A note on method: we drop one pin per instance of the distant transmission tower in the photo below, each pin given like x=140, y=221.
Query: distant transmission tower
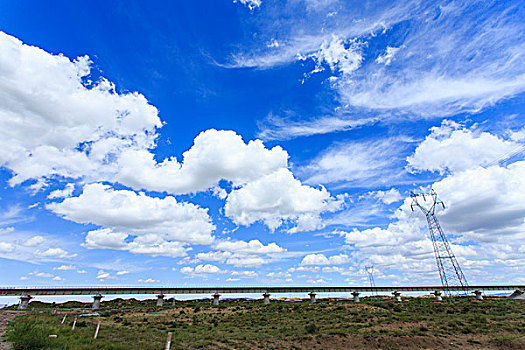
x=449, y=270
x=370, y=272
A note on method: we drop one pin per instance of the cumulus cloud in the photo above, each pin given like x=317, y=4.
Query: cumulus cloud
x=321, y=259
x=6, y=247
x=242, y=254
x=248, y=274
x=201, y=269
x=148, y=280
x=162, y=226
x=484, y=212
x=251, y=247
x=289, y=200
x=65, y=267
x=56, y=122
x=66, y=192
x=34, y=241
x=215, y=155
x=279, y=274
x=468, y=147
x=57, y=253
x=388, y=197
x=102, y=275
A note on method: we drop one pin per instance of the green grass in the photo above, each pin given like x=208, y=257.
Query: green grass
x=493, y=323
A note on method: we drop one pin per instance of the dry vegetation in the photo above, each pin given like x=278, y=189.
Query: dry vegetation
x=495, y=323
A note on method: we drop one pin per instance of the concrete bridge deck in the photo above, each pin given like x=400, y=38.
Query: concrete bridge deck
x=114, y=290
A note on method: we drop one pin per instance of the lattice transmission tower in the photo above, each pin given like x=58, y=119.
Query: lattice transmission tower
x=370, y=273
x=448, y=266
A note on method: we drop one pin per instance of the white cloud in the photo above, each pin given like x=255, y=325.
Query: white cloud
x=251, y=247
x=288, y=200
x=242, y=254
x=485, y=204
x=34, y=241
x=468, y=147
x=57, y=253
x=6, y=230
x=387, y=197
x=215, y=155
x=41, y=274
x=120, y=273
x=388, y=56
x=201, y=269
x=280, y=274
x=58, y=278
x=484, y=212
x=232, y=279
x=54, y=124
x=66, y=192
x=318, y=281
x=102, y=275
x=24, y=278
x=321, y=259
x=340, y=55
x=359, y=164
x=247, y=261
x=149, y=280
x=279, y=128
x=65, y=267
x=248, y=274
x=438, y=59
x=162, y=225
x=214, y=256
x=6, y=247
x=251, y=4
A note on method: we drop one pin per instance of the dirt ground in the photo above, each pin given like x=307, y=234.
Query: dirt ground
x=5, y=317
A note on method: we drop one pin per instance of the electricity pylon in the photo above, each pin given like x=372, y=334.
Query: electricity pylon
x=370, y=272
x=448, y=266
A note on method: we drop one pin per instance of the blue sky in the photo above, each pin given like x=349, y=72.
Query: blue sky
x=257, y=142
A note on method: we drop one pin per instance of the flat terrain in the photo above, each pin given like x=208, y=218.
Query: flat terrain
x=457, y=323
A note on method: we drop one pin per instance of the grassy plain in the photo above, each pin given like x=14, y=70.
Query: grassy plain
x=461, y=323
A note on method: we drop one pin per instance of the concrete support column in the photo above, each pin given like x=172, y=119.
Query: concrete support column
x=174, y=301
x=437, y=294
x=160, y=300
x=266, y=297
x=397, y=296
x=518, y=294
x=356, y=297
x=216, y=298
x=478, y=294
x=312, y=297
x=24, y=301
x=96, y=301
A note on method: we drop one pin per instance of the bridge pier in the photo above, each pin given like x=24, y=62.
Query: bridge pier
x=437, y=295
x=24, y=302
x=96, y=301
x=160, y=300
x=478, y=294
x=216, y=298
x=356, y=297
x=312, y=297
x=266, y=297
x=517, y=295
x=397, y=296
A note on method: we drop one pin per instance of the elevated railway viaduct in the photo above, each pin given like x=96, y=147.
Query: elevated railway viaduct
x=27, y=293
